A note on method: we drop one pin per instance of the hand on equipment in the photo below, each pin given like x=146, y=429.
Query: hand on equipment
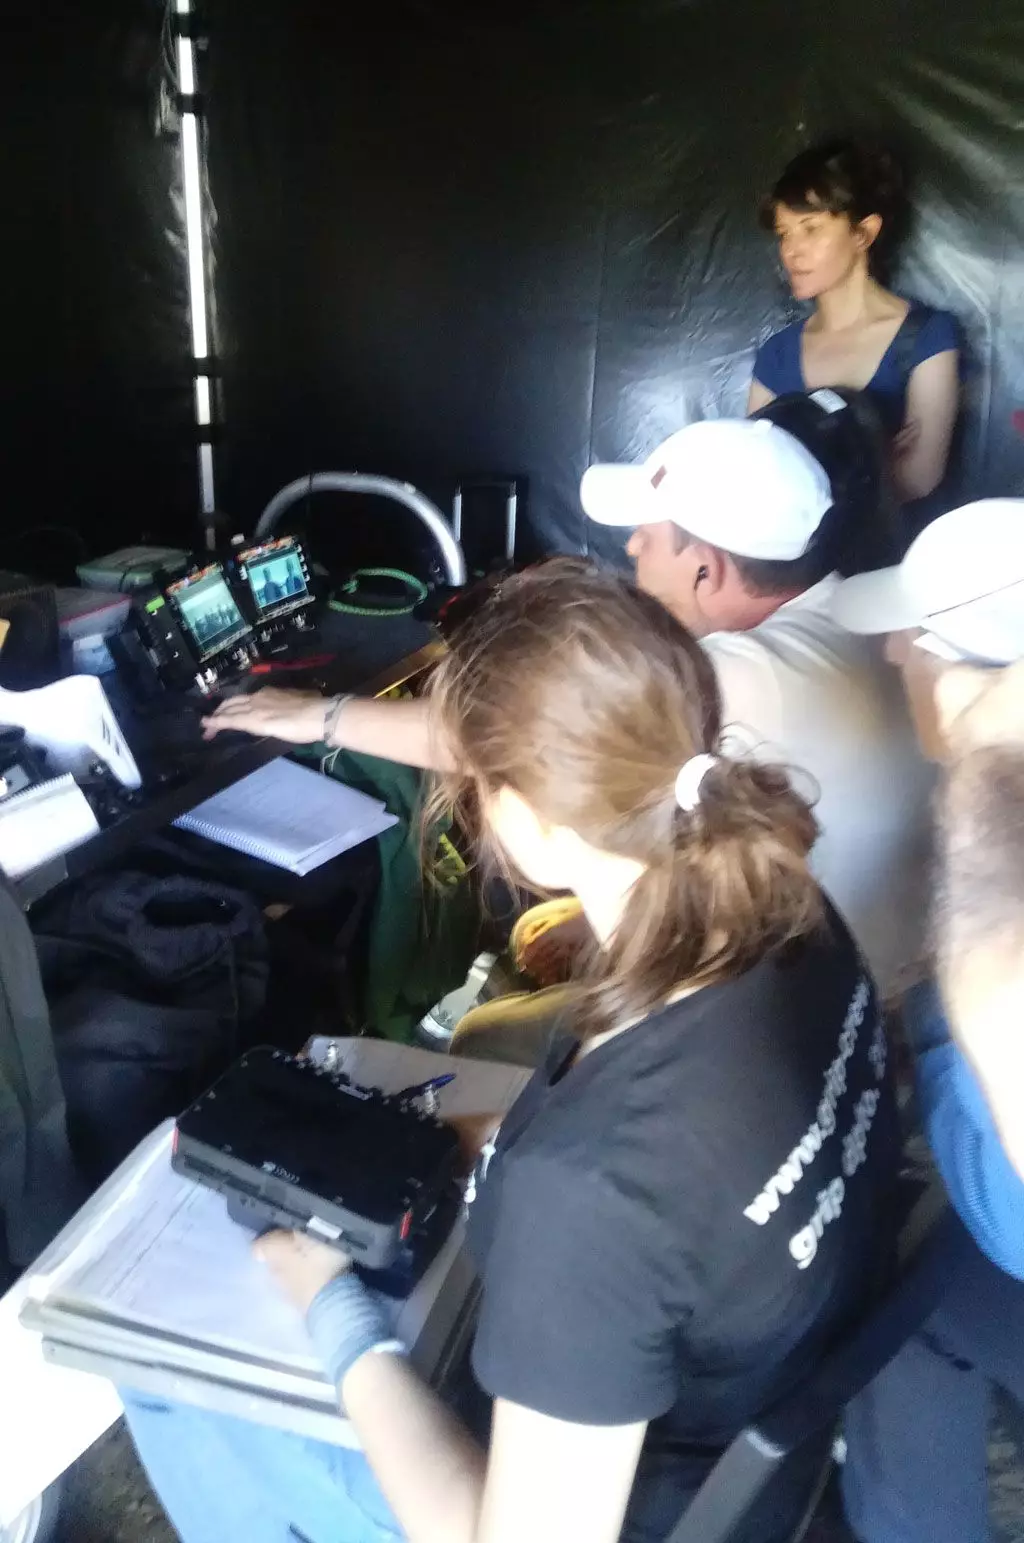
x=294, y=716
x=344, y=1319
x=301, y=1266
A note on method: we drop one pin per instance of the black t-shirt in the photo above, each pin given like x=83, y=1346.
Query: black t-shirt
x=671, y=1228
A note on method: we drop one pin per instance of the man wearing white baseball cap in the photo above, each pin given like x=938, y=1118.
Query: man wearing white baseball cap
x=954, y=612
x=739, y=525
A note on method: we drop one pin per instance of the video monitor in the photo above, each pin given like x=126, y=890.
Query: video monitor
x=207, y=612
x=277, y=577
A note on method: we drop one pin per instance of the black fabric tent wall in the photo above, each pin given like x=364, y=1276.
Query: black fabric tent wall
x=96, y=394
x=460, y=239
x=454, y=238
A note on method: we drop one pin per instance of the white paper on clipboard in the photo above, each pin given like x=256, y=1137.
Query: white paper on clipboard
x=151, y=1268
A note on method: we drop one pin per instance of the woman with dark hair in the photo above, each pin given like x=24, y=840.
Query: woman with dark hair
x=837, y=211
x=689, y=1201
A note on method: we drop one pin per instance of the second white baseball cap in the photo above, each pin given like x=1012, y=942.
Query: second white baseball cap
x=962, y=581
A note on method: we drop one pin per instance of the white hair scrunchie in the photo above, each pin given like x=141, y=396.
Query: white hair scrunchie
x=691, y=775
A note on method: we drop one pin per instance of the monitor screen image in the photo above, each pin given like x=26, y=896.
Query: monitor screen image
x=208, y=611
x=277, y=579
x=276, y=575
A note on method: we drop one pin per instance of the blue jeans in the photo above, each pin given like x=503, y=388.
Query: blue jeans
x=225, y=1480
x=917, y=1437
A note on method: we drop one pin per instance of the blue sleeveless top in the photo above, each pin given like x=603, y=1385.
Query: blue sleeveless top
x=779, y=369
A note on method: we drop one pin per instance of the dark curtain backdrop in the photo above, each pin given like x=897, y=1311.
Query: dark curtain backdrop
x=456, y=239
x=95, y=400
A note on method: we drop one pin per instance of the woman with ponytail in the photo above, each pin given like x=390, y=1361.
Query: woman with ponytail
x=688, y=1203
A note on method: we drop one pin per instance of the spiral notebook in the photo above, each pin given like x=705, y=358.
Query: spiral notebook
x=290, y=816
x=42, y=822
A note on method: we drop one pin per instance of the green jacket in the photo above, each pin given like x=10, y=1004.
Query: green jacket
x=424, y=928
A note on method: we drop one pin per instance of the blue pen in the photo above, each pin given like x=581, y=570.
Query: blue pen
x=422, y=1088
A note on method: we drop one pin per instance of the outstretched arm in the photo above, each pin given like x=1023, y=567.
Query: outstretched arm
x=397, y=731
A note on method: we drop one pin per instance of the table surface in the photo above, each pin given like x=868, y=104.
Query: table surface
x=370, y=655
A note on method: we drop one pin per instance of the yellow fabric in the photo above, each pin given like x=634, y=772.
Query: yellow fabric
x=538, y=920
x=514, y=1028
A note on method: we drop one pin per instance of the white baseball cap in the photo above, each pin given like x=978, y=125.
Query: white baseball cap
x=743, y=484
x=962, y=581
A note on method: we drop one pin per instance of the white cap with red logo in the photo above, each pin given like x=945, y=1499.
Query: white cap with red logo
x=745, y=485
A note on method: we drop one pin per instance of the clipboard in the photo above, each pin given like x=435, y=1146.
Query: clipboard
x=85, y=1317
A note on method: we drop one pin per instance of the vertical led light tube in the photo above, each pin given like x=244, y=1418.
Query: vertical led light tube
x=196, y=252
